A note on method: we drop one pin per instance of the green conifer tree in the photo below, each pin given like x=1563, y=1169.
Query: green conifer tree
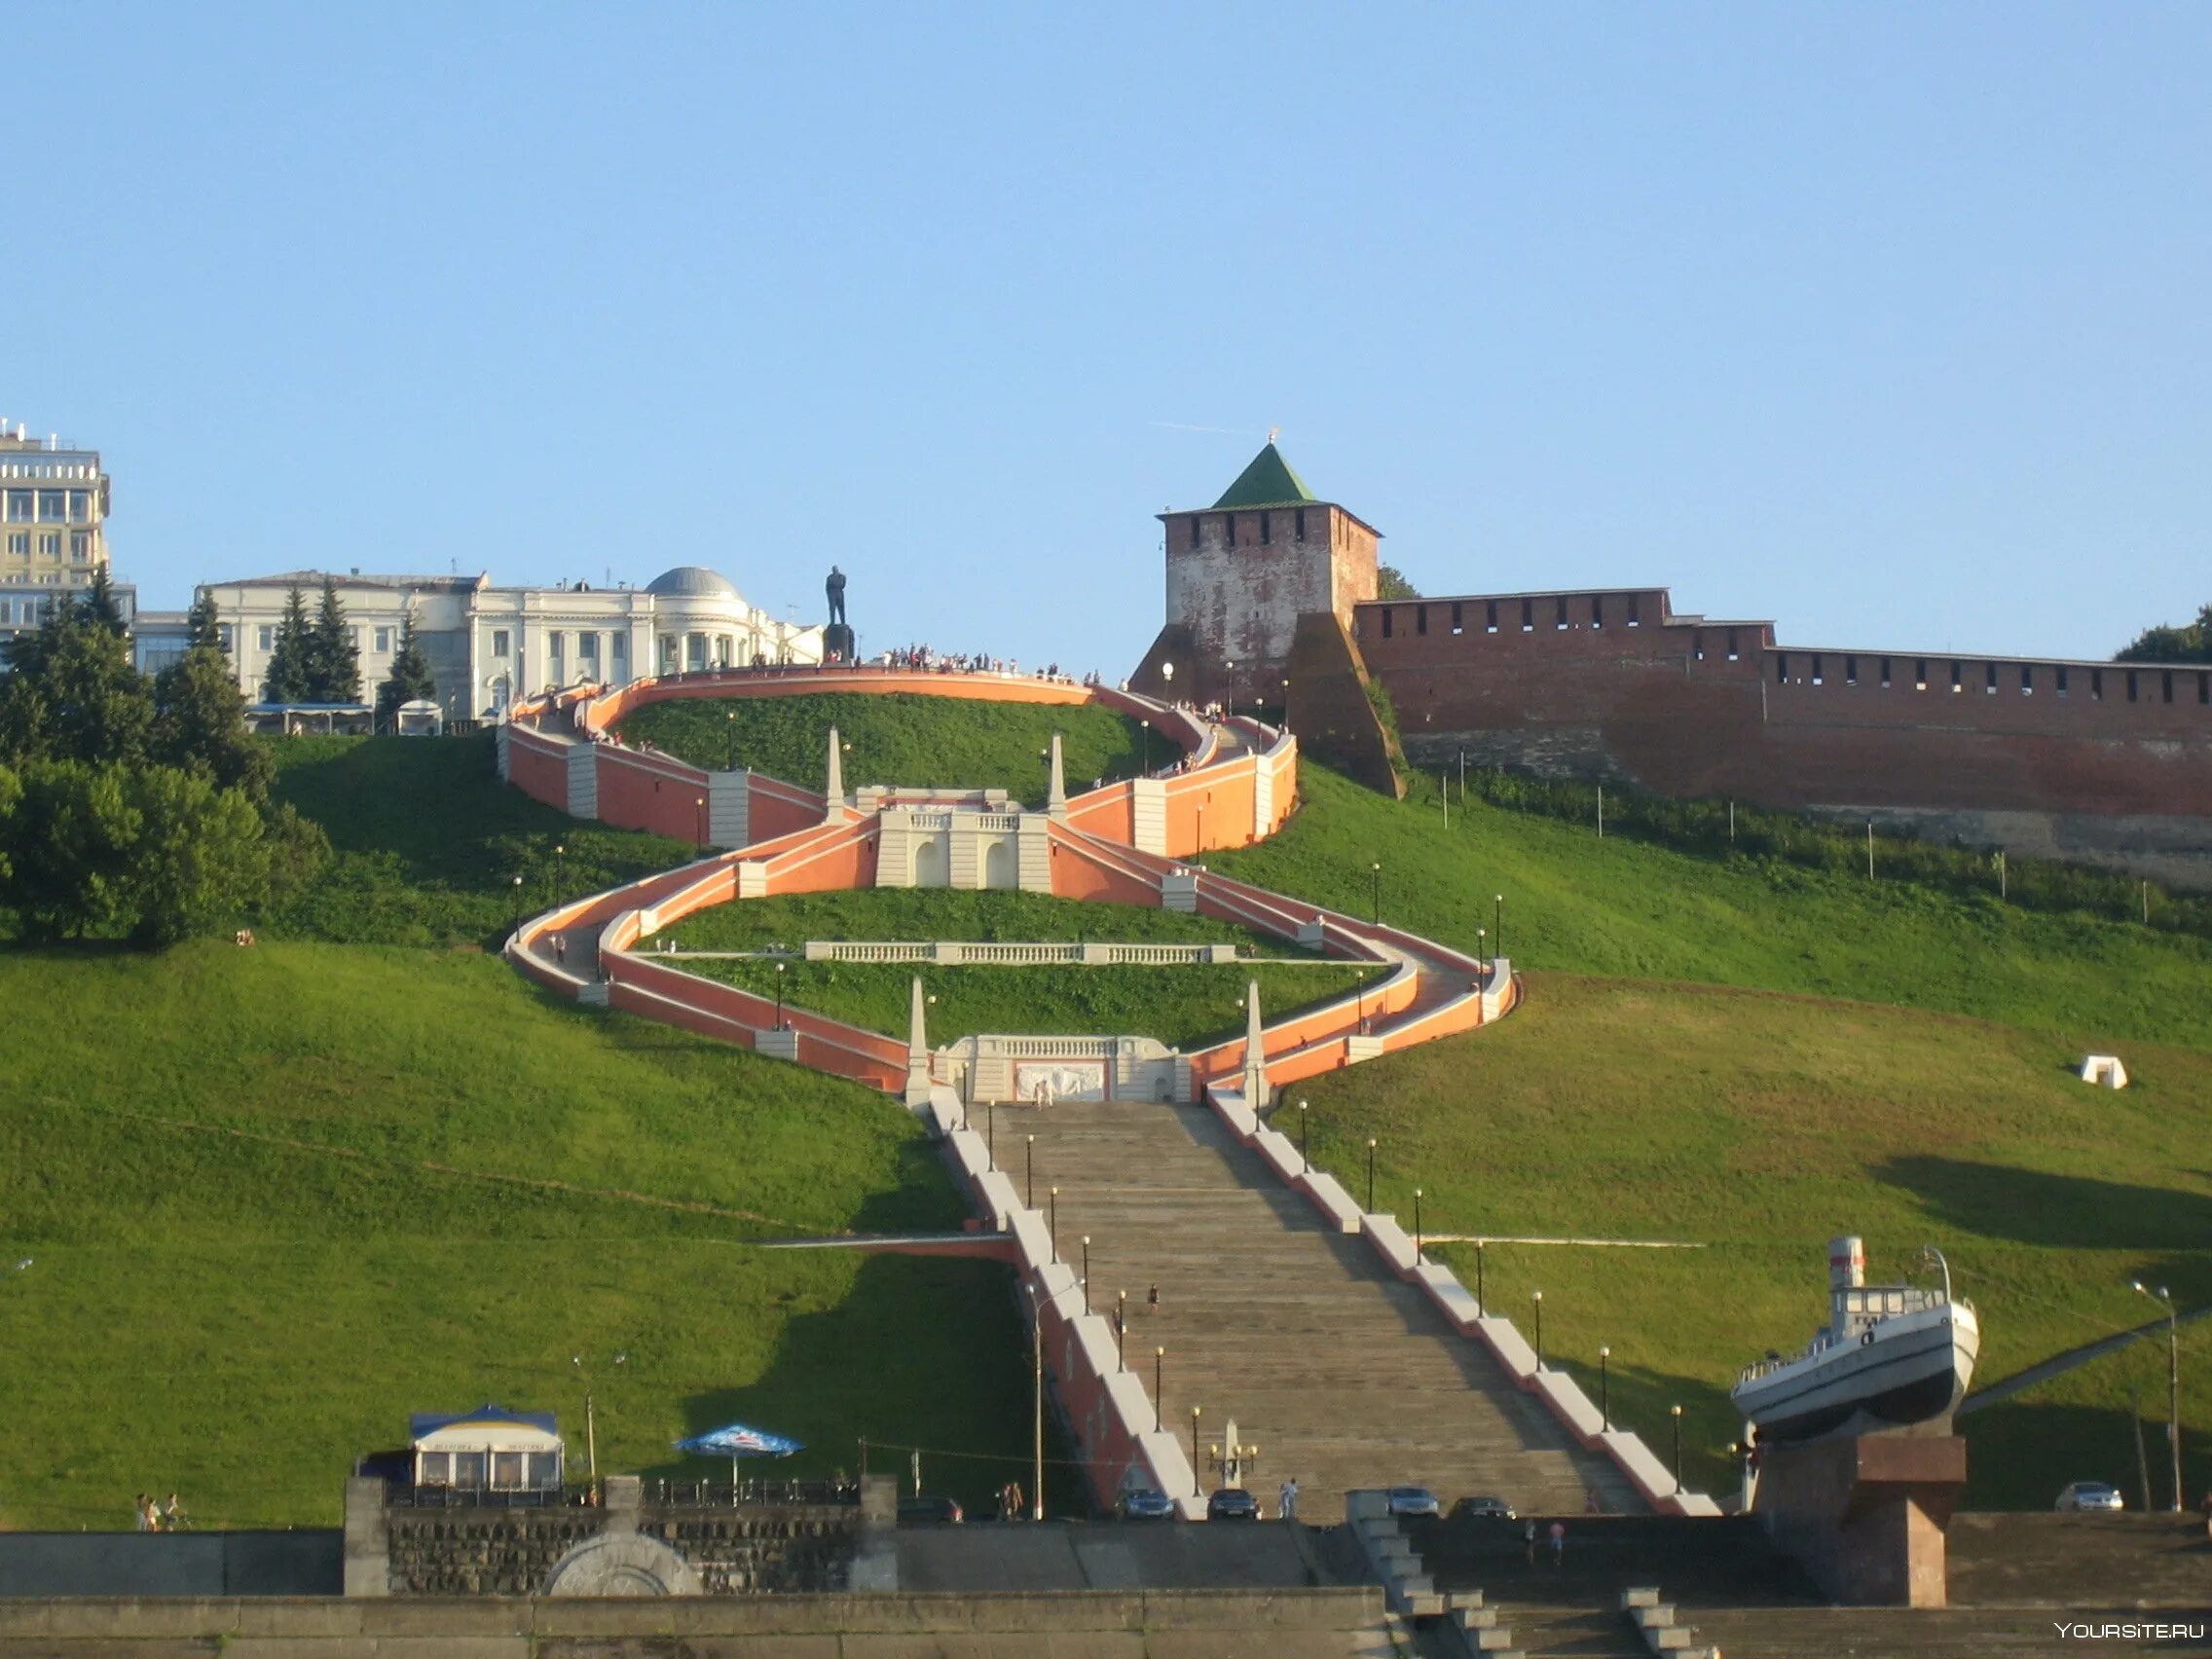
x=287, y=681
x=100, y=605
x=333, y=661
x=201, y=629
x=410, y=677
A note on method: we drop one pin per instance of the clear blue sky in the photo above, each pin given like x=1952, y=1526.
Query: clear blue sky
x=1891, y=322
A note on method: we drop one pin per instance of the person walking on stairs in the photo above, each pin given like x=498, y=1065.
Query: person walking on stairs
x=1287, y=1498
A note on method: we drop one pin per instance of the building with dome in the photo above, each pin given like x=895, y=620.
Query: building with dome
x=487, y=645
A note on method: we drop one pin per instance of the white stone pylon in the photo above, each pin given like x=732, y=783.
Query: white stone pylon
x=1255, y=1052
x=917, y=1050
x=1057, y=796
x=835, y=788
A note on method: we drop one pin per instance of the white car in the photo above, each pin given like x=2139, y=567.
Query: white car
x=2085, y=1495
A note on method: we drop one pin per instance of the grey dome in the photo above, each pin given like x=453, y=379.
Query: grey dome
x=692, y=581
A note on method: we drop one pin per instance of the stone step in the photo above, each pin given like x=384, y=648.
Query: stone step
x=1344, y=1376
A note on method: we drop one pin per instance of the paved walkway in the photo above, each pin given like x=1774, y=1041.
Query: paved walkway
x=1344, y=1378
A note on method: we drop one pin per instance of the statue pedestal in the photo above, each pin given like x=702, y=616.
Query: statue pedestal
x=837, y=643
x=1865, y=1515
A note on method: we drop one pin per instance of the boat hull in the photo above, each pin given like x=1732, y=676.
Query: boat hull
x=1911, y=1376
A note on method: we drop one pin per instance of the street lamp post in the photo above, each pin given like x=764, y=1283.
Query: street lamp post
x=553, y=893
x=1370, y=1174
x=1481, y=1304
x=1605, y=1390
x=1037, y=1409
x=1196, y=1485
x=591, y=1422
x=779, y=996
x=1087, y=1274
x=1121, y=1330
x=2173, y=1379
x=1147, y=724
x=1417, y=1227
x=1052, y=1222
x=1675, y=1412
x=517, y=928
x=1481, y=948
x=1377, y=867
x=700, y=801
x=1159, y=1362
x=1304, y=1140
x=1497, y=922
x=1029, y=1172
x=1537, y=1297
x=991, y=1132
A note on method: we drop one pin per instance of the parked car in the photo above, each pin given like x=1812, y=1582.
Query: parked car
x=924, y=1510
x=1412, y=1500
x=2091, y=1494
x=1232, y=1503
x=1484, y=1509
x=1147, y=1503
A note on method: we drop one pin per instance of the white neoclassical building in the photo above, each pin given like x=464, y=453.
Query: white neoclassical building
x=487, y=645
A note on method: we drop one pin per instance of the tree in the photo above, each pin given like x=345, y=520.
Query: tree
x=199, y=859
x=200, y=725
x=287, y=677
x=333, y=662
x=201, y=627
x=410, y=677
x=69, y=842
x=101, y=606
x=1390, y=583
x=72, y=694
x=2191, y=643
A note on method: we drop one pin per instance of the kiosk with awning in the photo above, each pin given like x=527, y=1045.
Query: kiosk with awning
x=489, y=1448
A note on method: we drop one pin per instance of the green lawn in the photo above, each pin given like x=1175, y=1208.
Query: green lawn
x=1631, y=910
x=948, y=913
x=427, y=842
x=1758, y=1126
x=910, y=740
x=1184, y=1007
x=276, y=1198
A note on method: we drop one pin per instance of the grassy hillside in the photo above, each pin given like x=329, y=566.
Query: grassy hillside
x=909, y=740
x=427, y=842
x=1632, y=910
x=276, y=1198
x=1757, y=1125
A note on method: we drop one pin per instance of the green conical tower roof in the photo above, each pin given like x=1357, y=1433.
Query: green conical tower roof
x=1267, y=482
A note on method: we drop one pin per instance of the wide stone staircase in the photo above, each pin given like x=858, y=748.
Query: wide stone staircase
x=1342, y=1375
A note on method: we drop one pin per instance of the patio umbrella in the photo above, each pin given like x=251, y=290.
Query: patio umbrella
x=734, y=1440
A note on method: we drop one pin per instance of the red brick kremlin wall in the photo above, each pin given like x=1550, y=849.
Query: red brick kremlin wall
x=1613, y=684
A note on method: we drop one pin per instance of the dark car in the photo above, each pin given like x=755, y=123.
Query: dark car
x=926, y=1510
x=1483, y=1509
x=1232, y=1503
x=1147, y=1503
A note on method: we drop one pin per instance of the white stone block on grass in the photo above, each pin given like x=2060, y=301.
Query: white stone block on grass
x=1570, y=1404
x=1331, y=1200
x=1508, y=1344
x=1454, y=1300
x=1282, y=1156
x=1390, y=1240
